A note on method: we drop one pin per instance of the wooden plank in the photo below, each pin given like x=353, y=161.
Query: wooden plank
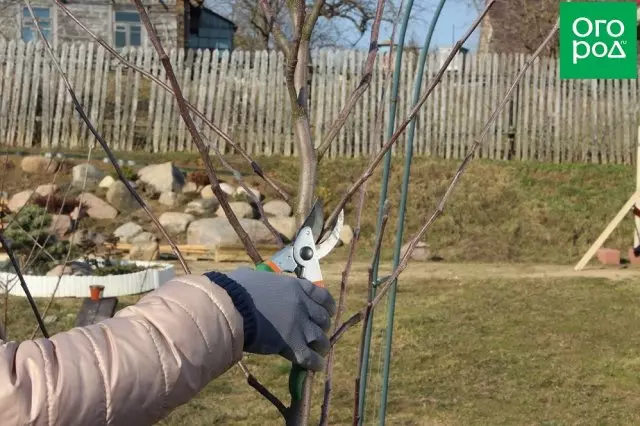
x=607, y=231
x=558, y=154
x=61, y=95
x=281, y=99
x=229, y=88
x=270, y=102
x=617, y=121
x=103, y=97
x=79, y=87
x=10, y=137
x=117, y=105
x=158, y=111
x=221, y=95
x=154, y=91
x=89, y=73
x=34, y=94
x=200, y=83
x=247, y=111
x=212, y=77
x=27, y=82
x=46, y=110
x=625, y=106
x=188, y=68
x=140, y=62
x=259, y=137
x=169, y=117
x=494, y=70
x=7, y=55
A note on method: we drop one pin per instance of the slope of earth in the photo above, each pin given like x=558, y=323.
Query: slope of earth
x=501, y=212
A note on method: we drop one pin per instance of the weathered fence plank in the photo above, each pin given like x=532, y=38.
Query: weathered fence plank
x=244, y=93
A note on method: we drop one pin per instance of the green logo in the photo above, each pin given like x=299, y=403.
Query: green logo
x=598, y=40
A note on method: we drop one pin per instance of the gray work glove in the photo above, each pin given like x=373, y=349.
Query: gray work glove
x=282, y=314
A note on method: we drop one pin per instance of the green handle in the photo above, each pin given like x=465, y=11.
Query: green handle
x=296, y=381
x=297, y=375
x=264, y=267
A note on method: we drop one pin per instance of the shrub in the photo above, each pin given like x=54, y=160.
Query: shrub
x=129, y=173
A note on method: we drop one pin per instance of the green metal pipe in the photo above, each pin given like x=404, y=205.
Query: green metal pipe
x=383, y=197
x=391, y=302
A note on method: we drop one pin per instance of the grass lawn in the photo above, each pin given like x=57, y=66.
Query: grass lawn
x=471, y=349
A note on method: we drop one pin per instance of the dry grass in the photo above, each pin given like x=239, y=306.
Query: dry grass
x=468, y=350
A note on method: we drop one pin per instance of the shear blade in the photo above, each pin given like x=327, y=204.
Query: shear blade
x=328, y=244
x=315, y=220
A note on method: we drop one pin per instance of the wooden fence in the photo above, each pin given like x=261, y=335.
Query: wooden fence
x=244, y=94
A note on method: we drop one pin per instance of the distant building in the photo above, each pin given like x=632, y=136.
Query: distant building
x=179, y=23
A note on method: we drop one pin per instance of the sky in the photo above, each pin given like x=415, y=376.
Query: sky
x=455, y=19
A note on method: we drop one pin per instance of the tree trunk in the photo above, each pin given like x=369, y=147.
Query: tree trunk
x=307, y=154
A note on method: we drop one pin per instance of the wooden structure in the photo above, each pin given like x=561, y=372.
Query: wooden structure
x=632, y=203
x=202, y=252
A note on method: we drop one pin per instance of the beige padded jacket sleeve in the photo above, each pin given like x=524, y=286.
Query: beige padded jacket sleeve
x=132, y=369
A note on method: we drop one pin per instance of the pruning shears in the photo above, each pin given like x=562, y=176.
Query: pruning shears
x=302, y=257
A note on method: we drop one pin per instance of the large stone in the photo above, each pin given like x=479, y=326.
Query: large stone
x=277, y=208
x=84, y=235
x=19, y=200
x=286, y=226
x=346, y=234
x=60, y=224
x=71, y=268
x=119, y=197
x=240, y=208
x=127, y=231
x=190, y=188
x=47, y=189
x=241, y=192
x=145, y=251
x=219, y=232
x=96, y=207
x=92, y=174
x=164, y=177
x=168, y=199
x=419, y=254
x=143, y=237
x=202, y=206
x=227, y=189
x=38, y=164
x=175, y=222
x=106, y=182
x=207, y=192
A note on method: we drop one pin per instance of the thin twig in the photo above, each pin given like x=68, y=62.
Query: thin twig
x=328, y=388
x=213, y=179
x=16, y=266
x=103, y=143
x=365, y=82
x=254, y=165
x=195, y=135
x=413, y=242
x=238, y=177
x=401, y=128
x=254, y=383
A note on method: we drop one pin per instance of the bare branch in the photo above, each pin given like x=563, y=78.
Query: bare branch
x=326, y=402
x=197, y=139
x=414, y=111
x=254, y=166
x=16, y=266
x=103, y=143
x=254, y=383
x=238, y=177
x=365, y=82
x=386, y=283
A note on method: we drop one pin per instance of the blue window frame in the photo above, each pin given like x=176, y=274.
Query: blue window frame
x=44, y=18
x=128, y=29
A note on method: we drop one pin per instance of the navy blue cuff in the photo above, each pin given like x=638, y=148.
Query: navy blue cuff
x=241, y=300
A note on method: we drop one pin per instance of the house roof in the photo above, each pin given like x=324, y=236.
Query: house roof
x=212, y=7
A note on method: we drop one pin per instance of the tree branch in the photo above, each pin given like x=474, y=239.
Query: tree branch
x=197, y=139
x=103, y=143
x=386, y=283
x=365, y=82
x=401, y=128
x=254, y=166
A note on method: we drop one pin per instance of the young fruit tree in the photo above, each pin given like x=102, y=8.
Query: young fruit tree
x=295, y=42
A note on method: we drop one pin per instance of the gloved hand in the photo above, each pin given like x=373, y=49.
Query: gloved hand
x=282, y=314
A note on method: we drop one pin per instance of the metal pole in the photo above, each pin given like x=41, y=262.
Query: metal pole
x=383, y=197
x=401, y=213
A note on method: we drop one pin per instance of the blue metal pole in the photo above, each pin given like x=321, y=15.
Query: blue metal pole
x=401, y=214
x=383, y=197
